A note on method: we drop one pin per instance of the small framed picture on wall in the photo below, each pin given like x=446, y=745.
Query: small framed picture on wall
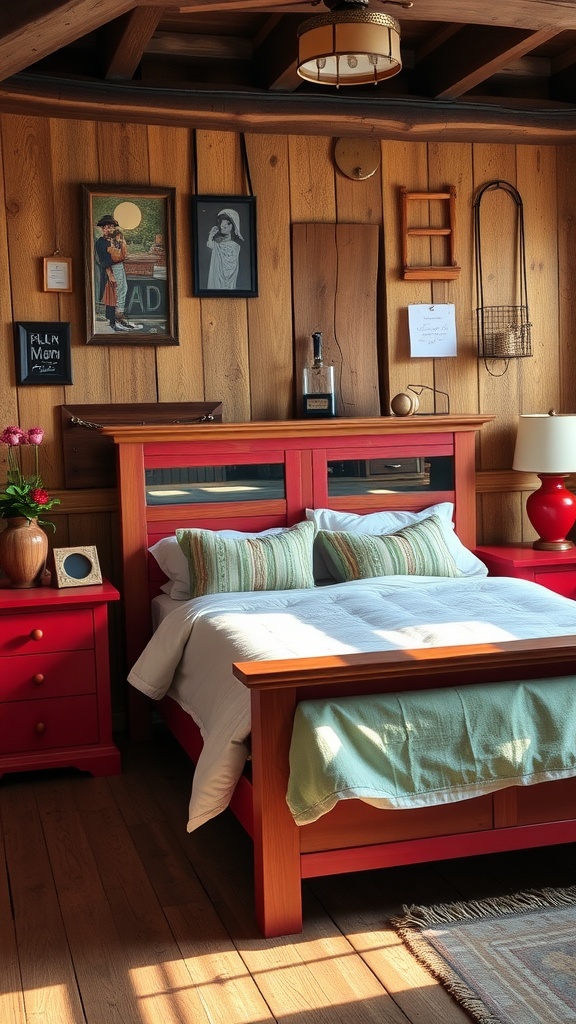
x=224, y=246
x=57, y=273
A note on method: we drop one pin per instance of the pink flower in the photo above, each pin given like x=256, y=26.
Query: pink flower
x=40, y=496
x=35, y=435
x=13, y=436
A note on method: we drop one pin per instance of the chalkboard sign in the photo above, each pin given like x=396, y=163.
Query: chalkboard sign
x=43, y=353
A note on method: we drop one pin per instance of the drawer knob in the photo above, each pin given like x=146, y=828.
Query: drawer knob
x=38, y=679
x=40, y=728
x=36, y=634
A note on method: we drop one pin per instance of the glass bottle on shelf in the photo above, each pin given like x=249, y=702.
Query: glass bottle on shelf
x=318, y=391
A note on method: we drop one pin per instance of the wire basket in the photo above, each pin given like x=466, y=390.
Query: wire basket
x=504, y=332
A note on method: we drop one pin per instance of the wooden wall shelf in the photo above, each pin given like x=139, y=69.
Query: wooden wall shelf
x=445, y=272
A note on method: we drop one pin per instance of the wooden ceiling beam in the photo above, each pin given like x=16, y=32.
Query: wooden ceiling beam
x=274, y=61
x=325, y=115
x=529, y=14
x=125, y=40
x=32, y=29
x=194, y=47
x=473, y=55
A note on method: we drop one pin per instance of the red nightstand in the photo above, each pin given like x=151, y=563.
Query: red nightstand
x=55, y=679
x=553, y=569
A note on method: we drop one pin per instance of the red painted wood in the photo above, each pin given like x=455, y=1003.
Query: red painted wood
x=419, y=851
x=46, y=724
x=277, y=880
x=38, y=630
x=48, y=675
x=555, y=570
x=523, y=556
x=54, y=666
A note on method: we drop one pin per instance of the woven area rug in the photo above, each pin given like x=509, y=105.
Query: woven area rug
x=510, y=960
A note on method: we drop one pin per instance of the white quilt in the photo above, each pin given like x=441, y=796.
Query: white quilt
x=191, y=653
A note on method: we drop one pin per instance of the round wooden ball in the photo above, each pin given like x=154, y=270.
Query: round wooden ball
x=404, y=404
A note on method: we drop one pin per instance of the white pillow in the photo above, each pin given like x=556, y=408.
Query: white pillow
x=390, y=522
x=174, y=563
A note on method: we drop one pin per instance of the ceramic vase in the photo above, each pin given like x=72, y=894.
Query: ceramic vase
x=23, y=551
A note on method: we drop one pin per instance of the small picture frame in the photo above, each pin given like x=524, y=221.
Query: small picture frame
x=57, y=273
x=224, y=246
x=76, y=567
x=43, y=354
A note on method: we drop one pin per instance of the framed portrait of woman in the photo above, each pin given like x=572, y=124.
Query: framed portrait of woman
x=224, y=246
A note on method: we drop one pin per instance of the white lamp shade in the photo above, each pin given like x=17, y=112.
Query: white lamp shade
x=546, y=443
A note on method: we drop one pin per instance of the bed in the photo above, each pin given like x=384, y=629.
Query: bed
x=265, y=476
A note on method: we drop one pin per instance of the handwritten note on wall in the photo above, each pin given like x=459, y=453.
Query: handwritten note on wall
x=432, y=330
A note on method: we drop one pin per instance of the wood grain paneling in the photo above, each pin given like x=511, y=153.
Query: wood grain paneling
x=224, y=322
x=241, y=351
x=566, y=237
x=403, y=164
x=270, y=322
x=180, y=368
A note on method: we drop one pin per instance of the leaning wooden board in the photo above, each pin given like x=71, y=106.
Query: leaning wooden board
x=335, y=281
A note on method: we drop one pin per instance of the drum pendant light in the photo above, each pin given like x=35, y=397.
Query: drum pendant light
x=349, y=46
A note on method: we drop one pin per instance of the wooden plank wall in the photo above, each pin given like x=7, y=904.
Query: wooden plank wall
x=240, y=351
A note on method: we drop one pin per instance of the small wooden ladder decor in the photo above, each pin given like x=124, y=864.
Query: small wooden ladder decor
x=446, y=272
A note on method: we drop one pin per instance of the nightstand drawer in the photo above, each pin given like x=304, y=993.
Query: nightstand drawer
x=52, y=674
x=44, y=724
x=36, y=631
x=560, y=582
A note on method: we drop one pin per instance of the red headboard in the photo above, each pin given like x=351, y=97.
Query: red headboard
x=305, y=455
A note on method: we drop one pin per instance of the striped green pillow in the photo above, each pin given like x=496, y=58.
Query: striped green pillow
x=417, y=550
x=225, y=565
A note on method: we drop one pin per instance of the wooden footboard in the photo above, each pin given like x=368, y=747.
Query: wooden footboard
x=355, y=836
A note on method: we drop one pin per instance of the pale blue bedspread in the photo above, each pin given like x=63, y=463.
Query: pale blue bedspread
x=428, y=747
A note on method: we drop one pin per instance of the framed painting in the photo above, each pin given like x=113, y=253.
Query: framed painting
x=43, y=353
x=130, y=265
x=224, y=246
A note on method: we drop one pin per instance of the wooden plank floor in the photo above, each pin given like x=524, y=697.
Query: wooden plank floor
x=110, y=913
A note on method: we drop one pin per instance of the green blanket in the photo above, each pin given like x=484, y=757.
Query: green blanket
x=413, y=749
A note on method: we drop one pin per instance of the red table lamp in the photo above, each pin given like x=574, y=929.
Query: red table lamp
x=546, y=445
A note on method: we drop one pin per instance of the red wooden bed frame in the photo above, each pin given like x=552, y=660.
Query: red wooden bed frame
x=353, y=836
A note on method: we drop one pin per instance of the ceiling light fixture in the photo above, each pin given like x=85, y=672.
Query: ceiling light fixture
x=349, y=46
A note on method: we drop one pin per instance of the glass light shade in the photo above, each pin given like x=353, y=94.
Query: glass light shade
x=349, y=48
x=546, y=443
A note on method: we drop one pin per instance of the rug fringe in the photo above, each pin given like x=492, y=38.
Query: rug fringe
x=415, y=919
x=452, y=981
x=520, y=902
